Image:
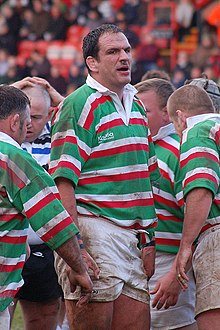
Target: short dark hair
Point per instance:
(162, 88)
(12, 100)
(161, 74)
(91, 40)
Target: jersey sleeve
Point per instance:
(199, 162)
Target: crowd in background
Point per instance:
(53, 20)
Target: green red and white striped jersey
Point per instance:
(199, 160)
(168, 197)
(27, 194)
(108, 154)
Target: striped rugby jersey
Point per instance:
(107, 153)
(168, 197)
(199, 160)
(26, 191)
(40, 151)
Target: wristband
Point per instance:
(81, 245)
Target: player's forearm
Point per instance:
(71, 254)
(198, 204)
(67, 195)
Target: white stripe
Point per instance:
(22, 176)
(201, 170)
(217, 196)
(12, 261)
(59, 111)
(166, 169)
(14, 233)
(172, 142)
(87, 107)
(122, 223)
(71, 133)
(115, 171)
(52, 223)
(7, 211)
(163, 234)
(179, 195)
(107, 119)
(164, 194)
(68, 159)
(113, 198)
(11, 286)
(214, 130)
(197, 150)
(122, 142)
(152, 160)
(39, 196)
(164, 212)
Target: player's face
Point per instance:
(113, 66)
(39, 117)
(157, 117)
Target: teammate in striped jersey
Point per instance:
(40, 294)
(192, 113)
(28, 194)
(103, 161)
(154, 93)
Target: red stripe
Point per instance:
(137, 226)
(138, 121)
(119, 150)
(14, 240)
(40, 205)
(168, 218)
(207, 226)
(10, 268)
(94, 105)
(161, 200)
(66, 139)
(56, 229)
(9, 293)
(120, 204)
(153, 167)
(168, 146)
(8, 217)
(65, 164)
(201, 176)
(166, 176)
(13, 176)
(197, 155)
(114, 178)
(167, 241)
(109, 125)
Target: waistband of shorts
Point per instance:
(209, 229)
(150, 230)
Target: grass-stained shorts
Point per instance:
(115, 251)
(206, 265)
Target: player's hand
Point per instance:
(184, 257)
(90, 263)
(166, 291)
(83, 280)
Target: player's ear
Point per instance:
(181, 118)
(14, 122)
(92, 64)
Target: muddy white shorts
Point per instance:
(182, 314)
(115, 251)
(206, 265)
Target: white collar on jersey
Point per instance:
(191, 121)
(8, 139)
(164, 132)
(128, 97)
